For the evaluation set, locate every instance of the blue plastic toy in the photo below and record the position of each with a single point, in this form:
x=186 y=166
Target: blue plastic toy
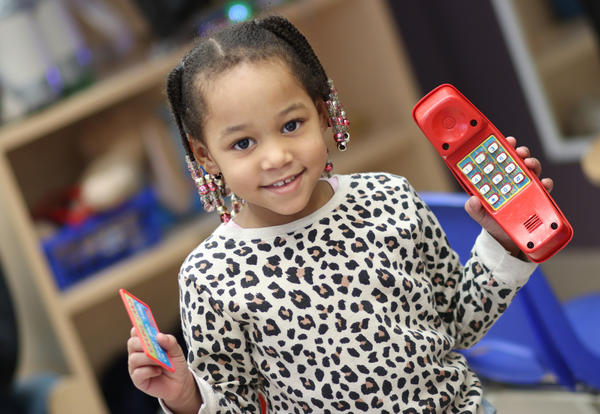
x=537 y=340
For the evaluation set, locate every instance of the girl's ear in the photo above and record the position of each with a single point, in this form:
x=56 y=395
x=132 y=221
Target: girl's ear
x=202 y=155
x=323 y=114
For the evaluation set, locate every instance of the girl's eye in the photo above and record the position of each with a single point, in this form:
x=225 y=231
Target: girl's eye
x=291 y=126
x=243 y=144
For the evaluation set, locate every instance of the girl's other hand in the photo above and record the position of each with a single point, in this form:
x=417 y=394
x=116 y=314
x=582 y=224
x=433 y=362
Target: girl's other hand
x=177 y=389
x=476 y=210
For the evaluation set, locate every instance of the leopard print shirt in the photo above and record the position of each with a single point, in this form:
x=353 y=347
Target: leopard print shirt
x=354 y=308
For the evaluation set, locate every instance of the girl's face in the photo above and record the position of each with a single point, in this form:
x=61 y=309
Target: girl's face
x=264 y=133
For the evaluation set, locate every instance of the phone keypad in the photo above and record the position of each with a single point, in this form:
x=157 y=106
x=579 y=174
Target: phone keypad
x=494 y=172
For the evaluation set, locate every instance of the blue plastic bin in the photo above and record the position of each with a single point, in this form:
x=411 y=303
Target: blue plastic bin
x=76 y=252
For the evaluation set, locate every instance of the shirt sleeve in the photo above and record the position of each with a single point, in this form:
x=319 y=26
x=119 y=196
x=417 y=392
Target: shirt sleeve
x=218 y=353
x=209 y=398
x=469 y=298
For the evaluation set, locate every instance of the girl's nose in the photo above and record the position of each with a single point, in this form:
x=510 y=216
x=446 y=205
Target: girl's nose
x=276 y=155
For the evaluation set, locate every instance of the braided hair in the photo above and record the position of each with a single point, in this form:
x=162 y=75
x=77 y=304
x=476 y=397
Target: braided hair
x=250 y=41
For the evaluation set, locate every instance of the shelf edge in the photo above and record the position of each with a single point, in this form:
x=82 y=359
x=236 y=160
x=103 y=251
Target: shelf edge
x=142 y=267
x=97 y=97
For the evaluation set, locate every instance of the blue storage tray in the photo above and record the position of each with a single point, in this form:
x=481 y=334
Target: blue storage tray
x=76 y=252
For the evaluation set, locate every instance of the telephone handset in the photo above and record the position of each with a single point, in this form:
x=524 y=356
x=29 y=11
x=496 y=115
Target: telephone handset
x=487 y=166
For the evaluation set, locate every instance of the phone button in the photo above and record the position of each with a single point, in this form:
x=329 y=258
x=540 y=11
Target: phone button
x=510 y=168
x=493 y=199
x=484 y=189
x=501 y=157
x=497 y=178
x=467 y=168
x=506 y=189
x=493 y=147
x=476 y=178
x=518 y=178
x=480 y=158
x=488 y=168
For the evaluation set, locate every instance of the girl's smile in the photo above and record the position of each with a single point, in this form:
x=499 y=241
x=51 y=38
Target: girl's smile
x=286 y=185
x=264 y=133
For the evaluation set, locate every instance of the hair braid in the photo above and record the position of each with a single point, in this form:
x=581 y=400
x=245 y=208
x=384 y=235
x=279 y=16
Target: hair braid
x=285 y=30
x=175 y=96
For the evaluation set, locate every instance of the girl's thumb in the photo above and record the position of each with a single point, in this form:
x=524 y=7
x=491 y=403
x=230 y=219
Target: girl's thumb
x=474 y=208
x=169 y=344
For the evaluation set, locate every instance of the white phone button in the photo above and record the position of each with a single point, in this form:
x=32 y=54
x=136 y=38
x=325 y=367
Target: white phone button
x=488 y=168
x=506 y=189
x=493 y=199
x=493 y=147
x=480 y=158
x=484 y=189
x=501 y=157
x=518 y=178
x=510 y=168
x=476 y=178
x=467 y=168
x=497 y=178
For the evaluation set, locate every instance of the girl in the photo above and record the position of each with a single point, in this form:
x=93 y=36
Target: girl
x=320 y=295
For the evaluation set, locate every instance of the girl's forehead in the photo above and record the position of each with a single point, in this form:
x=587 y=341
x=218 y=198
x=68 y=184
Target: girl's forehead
x=250 y=79
x=251 y=93
x=273 y=67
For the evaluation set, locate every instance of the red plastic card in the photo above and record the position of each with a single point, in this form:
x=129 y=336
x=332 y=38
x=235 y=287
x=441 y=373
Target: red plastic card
x=145 y=325
x=486 y=165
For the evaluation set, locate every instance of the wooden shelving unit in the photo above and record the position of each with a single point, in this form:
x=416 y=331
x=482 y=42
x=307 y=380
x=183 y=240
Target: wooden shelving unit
x=566 y=55
x=77 y=331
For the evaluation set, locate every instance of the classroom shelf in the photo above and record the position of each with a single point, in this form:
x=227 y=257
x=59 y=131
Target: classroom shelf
x=139 y=268
x=384 y=138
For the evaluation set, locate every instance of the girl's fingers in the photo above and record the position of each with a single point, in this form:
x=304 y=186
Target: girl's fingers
x=548 y=183
x=134 y=344
x=133 y=332
x=475 y=209
x=534 y=165
x=141 y=374
x=523 y=152
x=139 y=360
x=170 y=344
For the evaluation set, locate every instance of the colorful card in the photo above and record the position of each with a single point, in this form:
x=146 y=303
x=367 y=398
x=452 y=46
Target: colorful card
x=145 y=325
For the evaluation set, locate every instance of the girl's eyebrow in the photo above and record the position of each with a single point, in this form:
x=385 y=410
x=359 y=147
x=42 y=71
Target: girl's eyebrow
x=232 y=129
x=292 y=107
x=240 y=127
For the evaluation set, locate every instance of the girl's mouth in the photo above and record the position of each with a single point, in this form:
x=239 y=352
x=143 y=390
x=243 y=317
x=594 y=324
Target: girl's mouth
x=285 y=184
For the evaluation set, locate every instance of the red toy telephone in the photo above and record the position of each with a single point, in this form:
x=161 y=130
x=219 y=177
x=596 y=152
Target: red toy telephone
x=487 y=166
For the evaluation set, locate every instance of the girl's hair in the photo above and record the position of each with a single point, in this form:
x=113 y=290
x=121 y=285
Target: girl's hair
x=250 y=41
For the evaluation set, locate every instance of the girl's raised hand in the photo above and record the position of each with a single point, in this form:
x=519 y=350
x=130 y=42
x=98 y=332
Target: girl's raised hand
x=177 y=389
x=476 y=210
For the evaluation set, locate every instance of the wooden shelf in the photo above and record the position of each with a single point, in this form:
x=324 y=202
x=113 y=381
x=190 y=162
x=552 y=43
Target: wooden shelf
x=300 y=9
x=97 y=97
x=130 y=82
x=71 y=315
x=572 y=47
x=168 y=254
x=396 y=139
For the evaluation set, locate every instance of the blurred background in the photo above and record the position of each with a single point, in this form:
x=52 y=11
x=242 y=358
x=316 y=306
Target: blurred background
x=94 y=194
